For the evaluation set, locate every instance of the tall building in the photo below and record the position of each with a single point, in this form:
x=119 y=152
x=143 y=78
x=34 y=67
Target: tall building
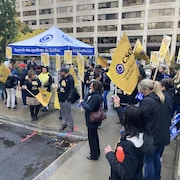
x=101 y=23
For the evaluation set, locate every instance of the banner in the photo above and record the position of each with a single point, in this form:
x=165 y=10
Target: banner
x=56 y=101
x=4 y=73
x=154 y=58
x=123 y=70
x=80 y=60
x=44 y=96
x=168 y=58
x=9 y=52
x=139 y=51
x=45 y=59
x=73 y=73
x=102 y=61
x=164 y=47
x=58 y=62
x=68 y=56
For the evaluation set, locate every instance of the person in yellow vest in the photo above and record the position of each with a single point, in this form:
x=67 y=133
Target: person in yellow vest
x=46 y=80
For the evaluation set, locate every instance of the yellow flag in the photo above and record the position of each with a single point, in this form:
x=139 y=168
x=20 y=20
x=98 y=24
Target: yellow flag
x=172 y=58
x=123 y=70
x=80 y=60
x=44 y=96
x=139 y=51
x=56 y=101
x=58 y=62
x=102 y=61
x=45 y=59
x=68 y=56
x=9 y=52
x=4 y=73
x=164 y=47
x=167 y=58
x=72 y=72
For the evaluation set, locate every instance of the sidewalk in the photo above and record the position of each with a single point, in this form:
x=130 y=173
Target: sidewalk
x=73 y=165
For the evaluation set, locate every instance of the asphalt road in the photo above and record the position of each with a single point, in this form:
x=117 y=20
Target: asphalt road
x=23 y=157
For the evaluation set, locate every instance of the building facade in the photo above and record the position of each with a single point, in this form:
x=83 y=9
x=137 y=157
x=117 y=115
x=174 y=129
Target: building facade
x=101 y=23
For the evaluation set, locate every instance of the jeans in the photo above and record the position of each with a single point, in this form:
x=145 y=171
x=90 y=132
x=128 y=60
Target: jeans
x=105 y=93
x=2 y=90
x=152 y=165
x=23 y=95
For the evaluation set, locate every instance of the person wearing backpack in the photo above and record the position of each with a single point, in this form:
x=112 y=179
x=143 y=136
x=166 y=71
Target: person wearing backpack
x=10 y=86
x=127 y=160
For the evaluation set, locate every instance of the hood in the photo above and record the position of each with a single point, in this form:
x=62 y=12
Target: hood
x=137 y=141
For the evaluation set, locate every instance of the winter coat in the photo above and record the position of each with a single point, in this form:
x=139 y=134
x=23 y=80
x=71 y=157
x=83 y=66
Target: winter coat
x=93 y=103
x=131 y=167
x=22 y=76
x=11 y=81
x=66 y=89
x=157 y=119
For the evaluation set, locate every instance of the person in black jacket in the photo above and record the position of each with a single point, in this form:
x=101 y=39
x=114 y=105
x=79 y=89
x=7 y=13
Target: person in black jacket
x=92 y=104
x=65 y=95
x=127 y=160
x=156 y=114
x=31 y=84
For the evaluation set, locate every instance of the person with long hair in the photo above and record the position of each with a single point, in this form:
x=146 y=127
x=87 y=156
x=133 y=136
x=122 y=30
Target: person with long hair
x=157 y=119
x=127 y=160
x=93 y=103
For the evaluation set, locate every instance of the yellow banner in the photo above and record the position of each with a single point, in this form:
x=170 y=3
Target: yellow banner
x=4 y=73
x=72 y=72
x=139 y=51
x=58 y=62
x=56 y=101
x=123 y=70
x=45 y=59
x=44 y=96
x=102 y=61
x=9 y=52
x=164 y=47
x=80 y=60
x=68 y=56
x=168 y=58
x=154 y=58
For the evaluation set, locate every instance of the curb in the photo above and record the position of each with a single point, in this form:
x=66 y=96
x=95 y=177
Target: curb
x=40 y=128
x=58 y=162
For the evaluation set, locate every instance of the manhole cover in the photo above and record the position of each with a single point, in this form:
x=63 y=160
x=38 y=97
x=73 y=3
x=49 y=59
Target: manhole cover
x=24 y=153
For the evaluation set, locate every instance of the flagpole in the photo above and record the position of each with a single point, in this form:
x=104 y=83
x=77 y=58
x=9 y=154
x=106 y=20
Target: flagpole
x=156 y=71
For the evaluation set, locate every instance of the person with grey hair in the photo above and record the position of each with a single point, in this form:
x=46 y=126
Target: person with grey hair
x=157 y=119
x=65 y=95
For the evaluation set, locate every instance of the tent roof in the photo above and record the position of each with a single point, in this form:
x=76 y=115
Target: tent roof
x=51 y=41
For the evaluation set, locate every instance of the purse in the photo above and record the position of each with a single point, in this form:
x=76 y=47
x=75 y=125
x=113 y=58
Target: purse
x=97 y=116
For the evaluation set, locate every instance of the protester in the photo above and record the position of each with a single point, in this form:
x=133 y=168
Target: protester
x=31 y=85
x=156 y=114
x=92 y=104
x=32 y=65
x=127 y=160
x=107 y=87
x=21 y=80
x=46 y=81
x=10 y=86
x=65 y=95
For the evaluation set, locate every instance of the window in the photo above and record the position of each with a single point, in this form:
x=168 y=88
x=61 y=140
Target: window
x=132 y=27
x=67 y=30
x=178 y=24
x=85 y=7
x=62 y=1
x=45 y=2
x=88 y=40
x=46 y=11
x=107 y=16
x=32 y=22
x=66 y=9
x=17 y=4
x=160 y=1
x=105 y=40
x=133 y=39
x=28 y=3
x=85 y=29
x=178 y=37
x=65 y=20
x=107 y=28
x=162 y=12
x=154 y=39
x=46 y=21
x=137 y=14
x=108 y=5
x=29 y=13
x=133 y=2
x=160 y=25
x=85 y=18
